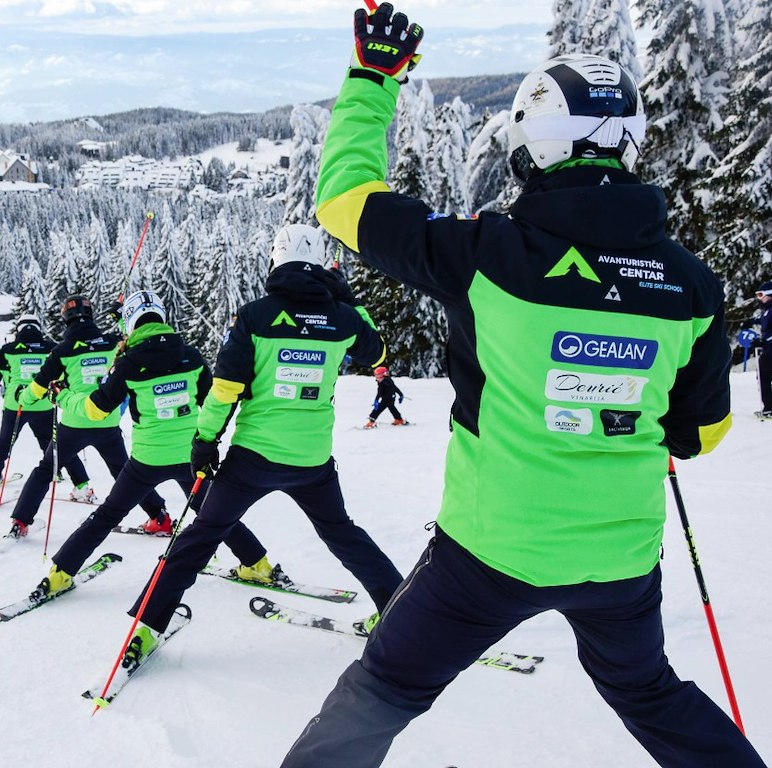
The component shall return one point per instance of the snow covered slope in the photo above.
(234, 690)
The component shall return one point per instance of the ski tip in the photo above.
(112, 556)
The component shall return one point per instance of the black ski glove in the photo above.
(204, 457)
(341, 290)
(385, 43)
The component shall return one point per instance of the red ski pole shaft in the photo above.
(150, 216)
(371, 5)
(101, 702)
(724, 667)
(55, 457)
(10, 451)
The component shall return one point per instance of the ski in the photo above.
(81, 577)
(180, 619)
(140, 531)
(283, 583)
(267, 609)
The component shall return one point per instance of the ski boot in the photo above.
(18, 530)
(83, 494)
(56, 581)
(366, 626)
(763, 414)
(139, 648)
(262, 571)
(398, 423)
(159, 526)
(370, 424)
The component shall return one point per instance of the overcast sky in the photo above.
(151, 17)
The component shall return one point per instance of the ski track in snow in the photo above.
(231, 689)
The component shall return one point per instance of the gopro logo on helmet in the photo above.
(171, 386)
(306, 356)
(605, 92)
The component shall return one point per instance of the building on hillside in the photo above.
(16, 167)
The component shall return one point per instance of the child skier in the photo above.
(387, 391)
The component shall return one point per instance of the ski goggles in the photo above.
(762, 294)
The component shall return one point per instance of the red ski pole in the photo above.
(10, 451)
(705, 599)
(101, 701)
(371, 5)
(150, 216)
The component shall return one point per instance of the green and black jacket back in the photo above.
(279, 364)
(584, 346)
(165, 381)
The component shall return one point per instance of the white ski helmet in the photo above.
(141, 304)
(25, 321)
(297, 242)
(575, 106)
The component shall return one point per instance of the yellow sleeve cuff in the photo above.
(37, 390)
(92, 412)
(340, 215)
(225, 391)
(712, 434)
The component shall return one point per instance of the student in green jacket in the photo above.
(81, 360)
(276, 372)
(20, 361)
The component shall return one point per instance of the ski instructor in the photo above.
(553, 494)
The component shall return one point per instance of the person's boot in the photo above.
(139, 647)
(83, 494)
(398, 422)
(262, 571)
(159, 526)
(370, 424)
(56, 581)
(18, 530)
(366, 626)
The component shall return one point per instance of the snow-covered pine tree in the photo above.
(565, 34)
(608, 31)
(32, 295)
(56, 281)
(410, 175)
(447, 157)
(309, 127)
(169, 273)
(10, 264)
(487, 164)
(688, 59)
(96, 268)
(741, 250)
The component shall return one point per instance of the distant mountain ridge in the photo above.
(158, 132)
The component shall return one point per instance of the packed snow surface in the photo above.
(232, 689)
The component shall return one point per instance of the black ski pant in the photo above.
(452, 608)
(108, 442)
(765, 379)
(381, 407)
(243, 478)
(41, 423)
(134, 483)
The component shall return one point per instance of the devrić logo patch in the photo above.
(603, 351)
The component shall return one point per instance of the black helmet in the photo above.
(27, 321)
(75, 307)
